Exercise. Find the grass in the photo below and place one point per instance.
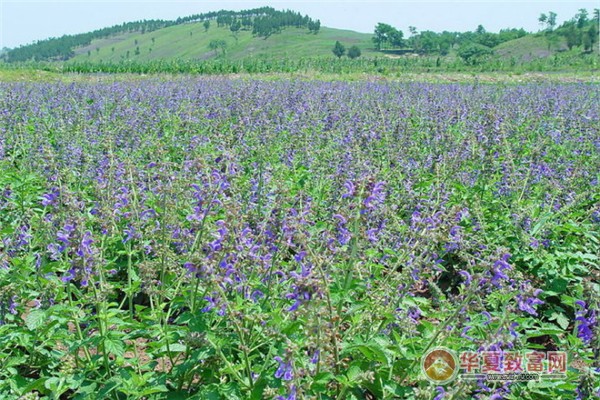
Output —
(34, 75)
(191, 41)
(535, 46)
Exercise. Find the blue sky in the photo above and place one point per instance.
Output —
(24, 21)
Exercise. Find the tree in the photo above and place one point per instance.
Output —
(548, 20)
(473, 53)
(543, 19)
(396, 38)
(572, 36)
(380, 33)
(206, 25)
(235, 28)
(590, 37)
(386, 36)
(216, 45)
(480, 30)
(339, 49)
(314, 26)
(246, 23)
(582, 18)
(551, 20)
(354, 52)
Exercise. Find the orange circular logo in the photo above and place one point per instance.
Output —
(440, 365)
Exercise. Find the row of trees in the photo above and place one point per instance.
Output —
(579, 31)
(386, 37)
(61, 48)
(473, 47)
(339, 50)
(263, 21)
(266, 26)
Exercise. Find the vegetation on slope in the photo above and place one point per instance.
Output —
(193, 42)
(263, 22)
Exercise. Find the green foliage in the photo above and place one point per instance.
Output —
(474, 53)
(386, 36)
(218, 44)
(338, 49)
(202, 217)
(265, 22)
(354, 52)
(314, 26)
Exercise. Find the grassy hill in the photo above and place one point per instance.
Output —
(191, 41)
(270, 36)
(528, 48)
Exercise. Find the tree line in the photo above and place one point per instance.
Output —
(263, 21)
(473, 46)
(579, 31)
(386, 37)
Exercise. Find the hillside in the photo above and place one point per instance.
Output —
(266, 34)
(528, 47)
(192, 41)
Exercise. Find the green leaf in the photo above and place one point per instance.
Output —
(173, 347)
(562, 321)
(37, 385)
(35, 319)
(559, 285)
(371, 351)
(153, 390)
(353, 373)
(321, 380)
(114, 346)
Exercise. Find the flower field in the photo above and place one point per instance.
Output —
(216, 238)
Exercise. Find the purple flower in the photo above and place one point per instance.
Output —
(350, 189)
(376, 197)
(86, 243)
(54, 249)
(130, 234)
(290, 396)
(69, 275)
(12, 308)
(587, 321)
(527, 303)
(511, 329)
(50, 197)
(463, 334)
(441, 393)
(488, 317)
(315, 356)
(285, 370)
(467, 277)
(498, 269)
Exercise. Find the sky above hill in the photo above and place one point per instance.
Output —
(24, 21)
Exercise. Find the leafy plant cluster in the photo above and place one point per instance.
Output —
(339, 50)
(237, 239)
(367, 65)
